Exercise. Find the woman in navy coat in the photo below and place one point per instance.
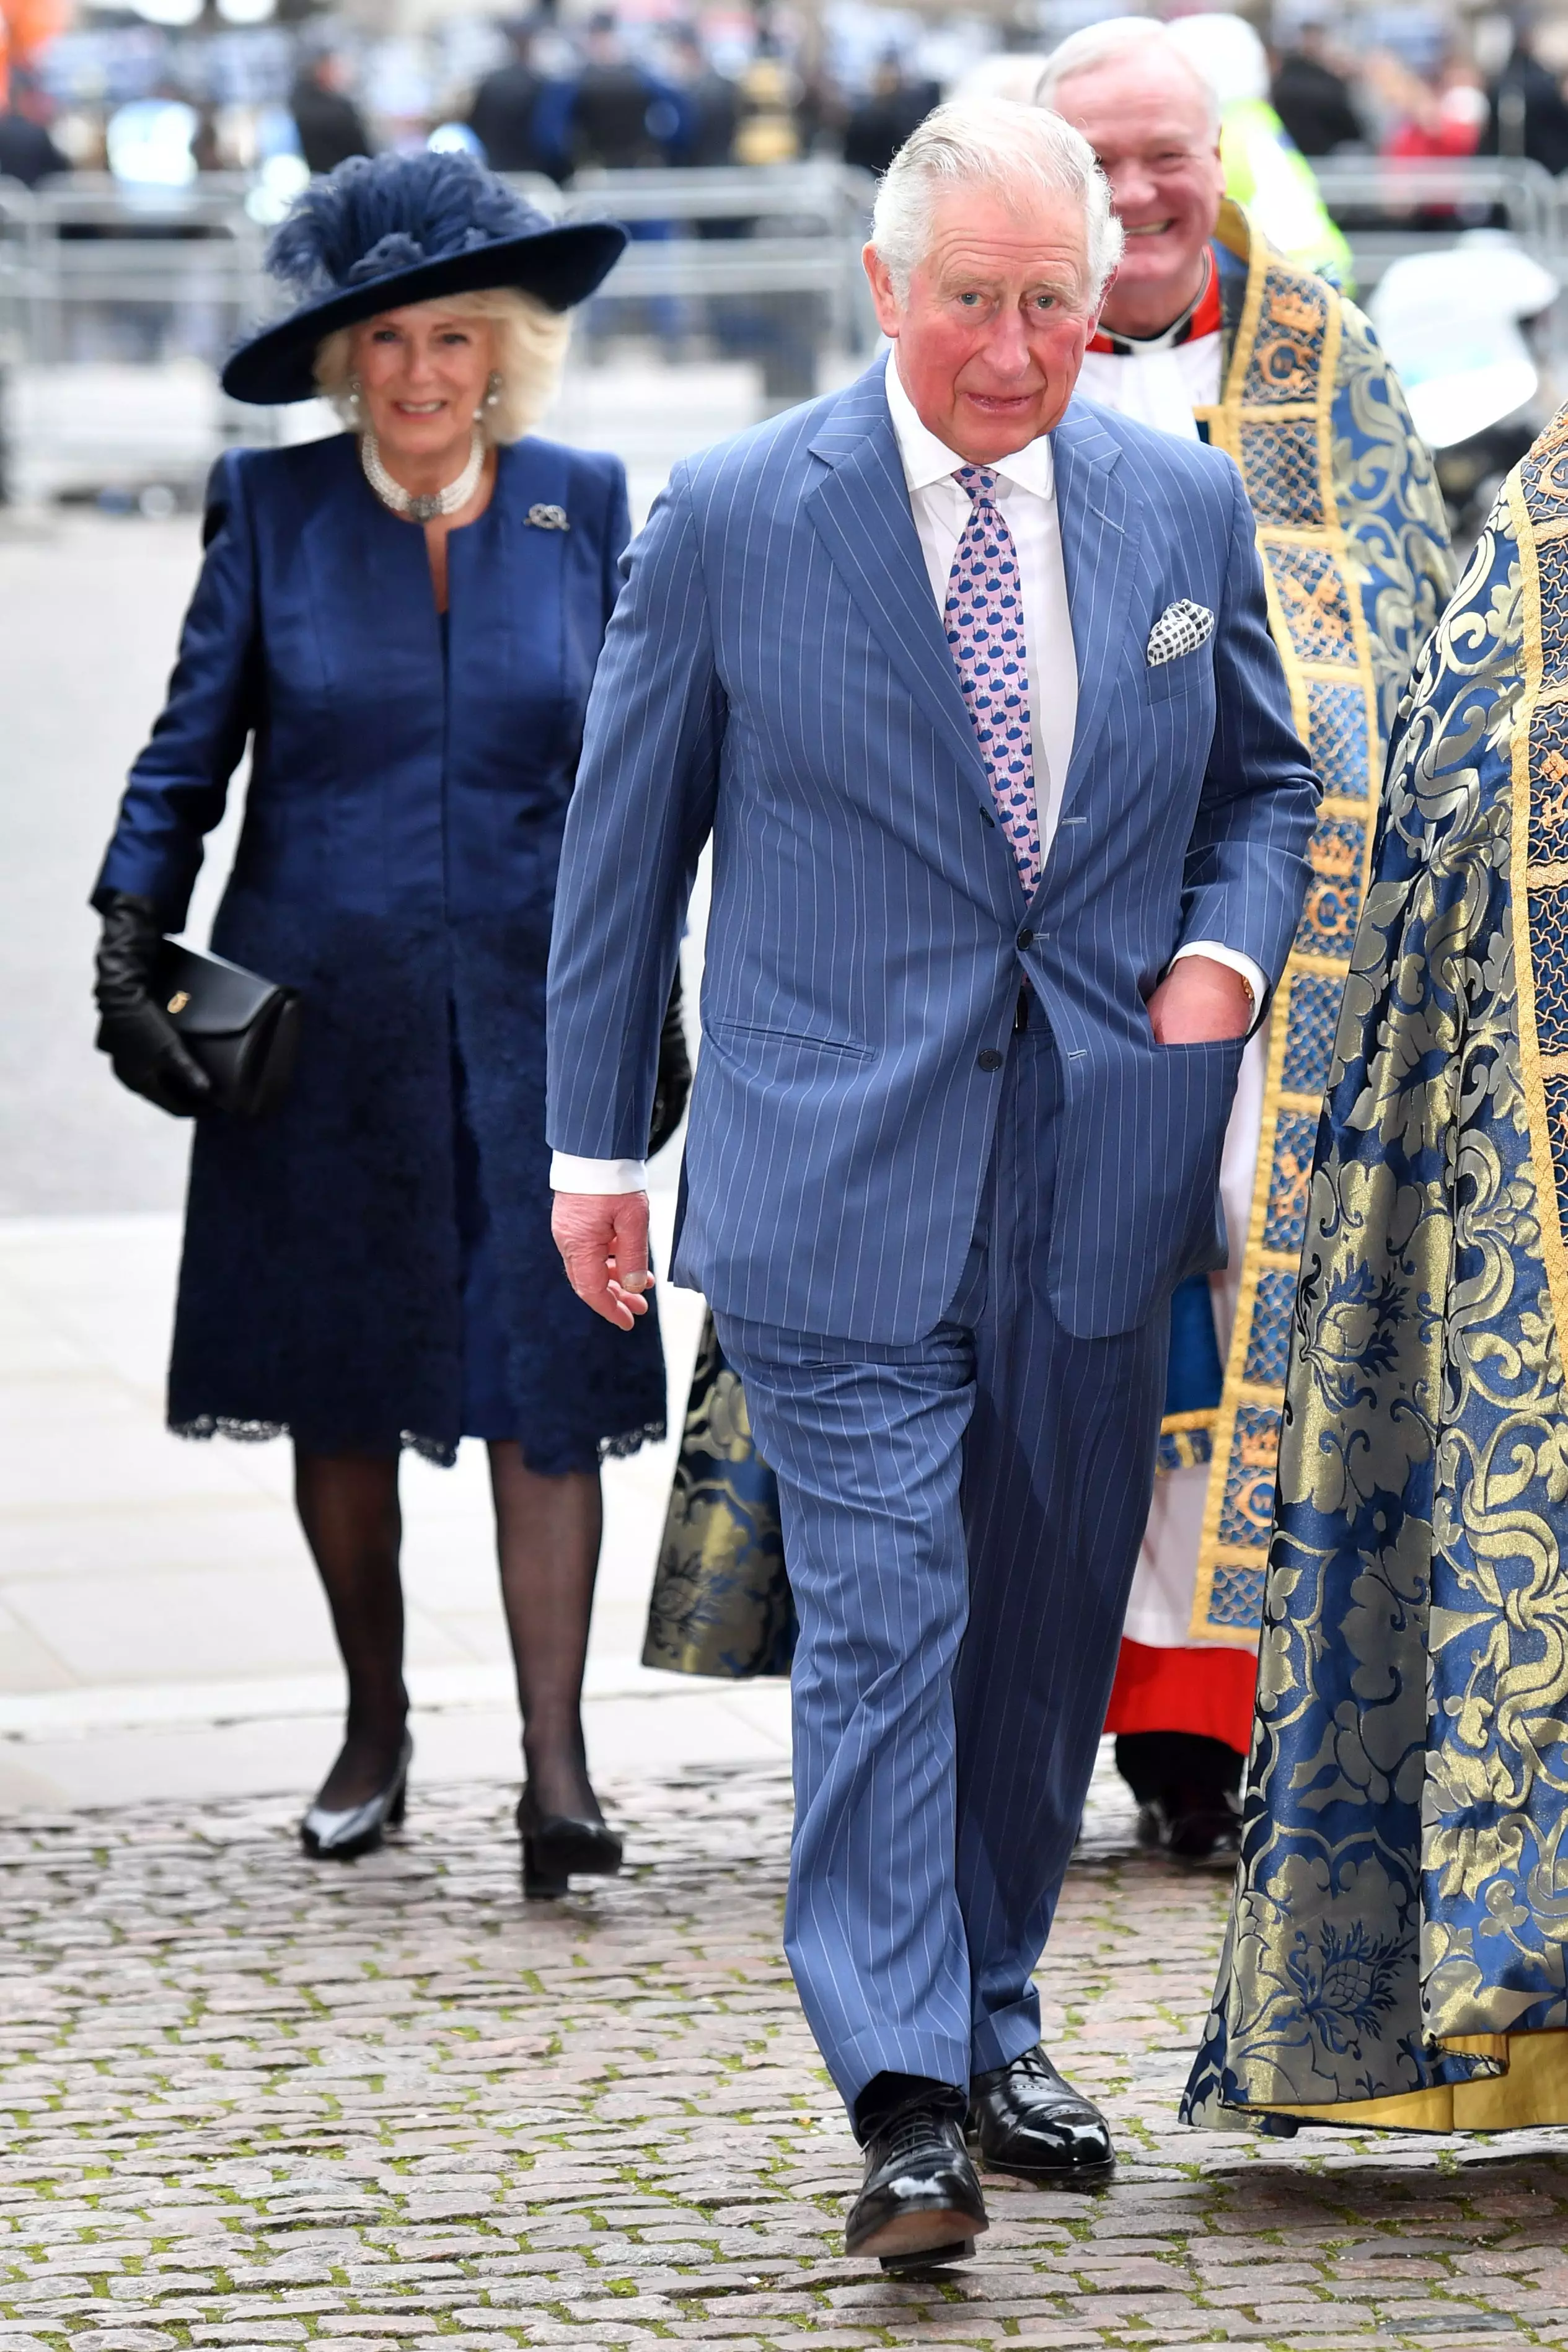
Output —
(402, 622)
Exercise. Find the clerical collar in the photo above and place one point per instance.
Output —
(1200, 317)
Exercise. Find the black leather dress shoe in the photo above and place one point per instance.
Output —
(556, 1844)
(1027, 2120)
(1193, 1825)
(1207, 1829)
(920, 2202)
(342, 1834)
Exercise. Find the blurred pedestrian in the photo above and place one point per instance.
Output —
(1312, 97)
(1430, 120)
(880, 125)
(404, 621)
(709, 101)
(26, 151)
(206, 147)
(506, 114)
(1203, 322)
(329, 125)
(1264, 169)
(622, 118)
(1526, 113)
(769, 130)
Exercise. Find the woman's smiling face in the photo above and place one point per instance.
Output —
(423, 373)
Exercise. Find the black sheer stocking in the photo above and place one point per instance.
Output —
(348, 1507)
(547, 1539)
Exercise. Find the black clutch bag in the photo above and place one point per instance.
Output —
(243, 1029)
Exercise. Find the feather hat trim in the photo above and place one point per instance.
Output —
(386, 230)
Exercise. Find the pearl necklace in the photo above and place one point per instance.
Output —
(421, 507)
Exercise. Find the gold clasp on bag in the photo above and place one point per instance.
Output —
(178, 1002)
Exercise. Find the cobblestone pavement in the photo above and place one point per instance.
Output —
(248, 2101)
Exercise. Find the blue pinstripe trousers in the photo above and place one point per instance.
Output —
(960, 1519)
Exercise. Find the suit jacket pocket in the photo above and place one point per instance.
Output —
(1136, 1202)
(1182, 675)
(763, 1034)
(1200, 1086)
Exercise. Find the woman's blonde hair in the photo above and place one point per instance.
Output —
(531, 342)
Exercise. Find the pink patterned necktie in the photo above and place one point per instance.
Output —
(984, 619)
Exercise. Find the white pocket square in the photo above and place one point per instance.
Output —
(1180, 628)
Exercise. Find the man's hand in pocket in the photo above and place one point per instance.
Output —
(1198, 1003)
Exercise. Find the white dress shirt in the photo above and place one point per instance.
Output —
(1026, 500)
(1159, 387)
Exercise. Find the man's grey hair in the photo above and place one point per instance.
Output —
(990, 144)
(1112, 43)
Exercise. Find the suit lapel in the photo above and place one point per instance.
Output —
(861, 511)
(1100, 556)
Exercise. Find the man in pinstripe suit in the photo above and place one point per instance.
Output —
(973, 687)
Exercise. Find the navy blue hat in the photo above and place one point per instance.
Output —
(384, 230)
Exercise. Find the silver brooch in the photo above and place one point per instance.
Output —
(547, 518)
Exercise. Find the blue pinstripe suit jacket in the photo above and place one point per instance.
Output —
(776, 673)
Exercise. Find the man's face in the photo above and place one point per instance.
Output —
(991, 334)
(1147, 119)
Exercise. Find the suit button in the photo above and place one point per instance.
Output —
(1026, 937)
(989, 1059)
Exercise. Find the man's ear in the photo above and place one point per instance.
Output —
(884, 299)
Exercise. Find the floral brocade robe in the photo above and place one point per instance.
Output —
(1397, 1948)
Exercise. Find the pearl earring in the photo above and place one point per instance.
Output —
(354, 391)
(492, 388)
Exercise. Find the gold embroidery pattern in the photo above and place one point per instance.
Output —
(1537, 498)
(1307, 399)
(1395, 1949)
(721, 1602)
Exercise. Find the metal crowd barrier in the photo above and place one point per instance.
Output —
(792, 229)
(763, 262)
(1390, 208)
(97, 276)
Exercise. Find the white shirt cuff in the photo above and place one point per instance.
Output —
(1235, 961)
(570, 1174)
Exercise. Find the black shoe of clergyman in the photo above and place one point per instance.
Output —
(920, 2202)
(1204, 1827)
(1027, 2120)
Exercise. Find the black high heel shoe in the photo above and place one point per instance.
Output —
(556, 1844)
(338, 1836)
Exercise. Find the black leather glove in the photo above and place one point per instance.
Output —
(673, 1085)
(133, 1029)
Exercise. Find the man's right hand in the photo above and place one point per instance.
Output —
(603, 1241)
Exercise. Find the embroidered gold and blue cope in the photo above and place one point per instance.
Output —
(1396, 1951)
(1354, 542)
(721, 1602)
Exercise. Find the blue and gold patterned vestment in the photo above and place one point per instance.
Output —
(721, 1602)
(1354, 542)
(1397, 1953)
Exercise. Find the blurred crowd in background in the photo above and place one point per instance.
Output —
(176, 87)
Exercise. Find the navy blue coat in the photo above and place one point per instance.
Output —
(397, 865)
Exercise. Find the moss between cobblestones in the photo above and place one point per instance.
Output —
(255, 2101)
